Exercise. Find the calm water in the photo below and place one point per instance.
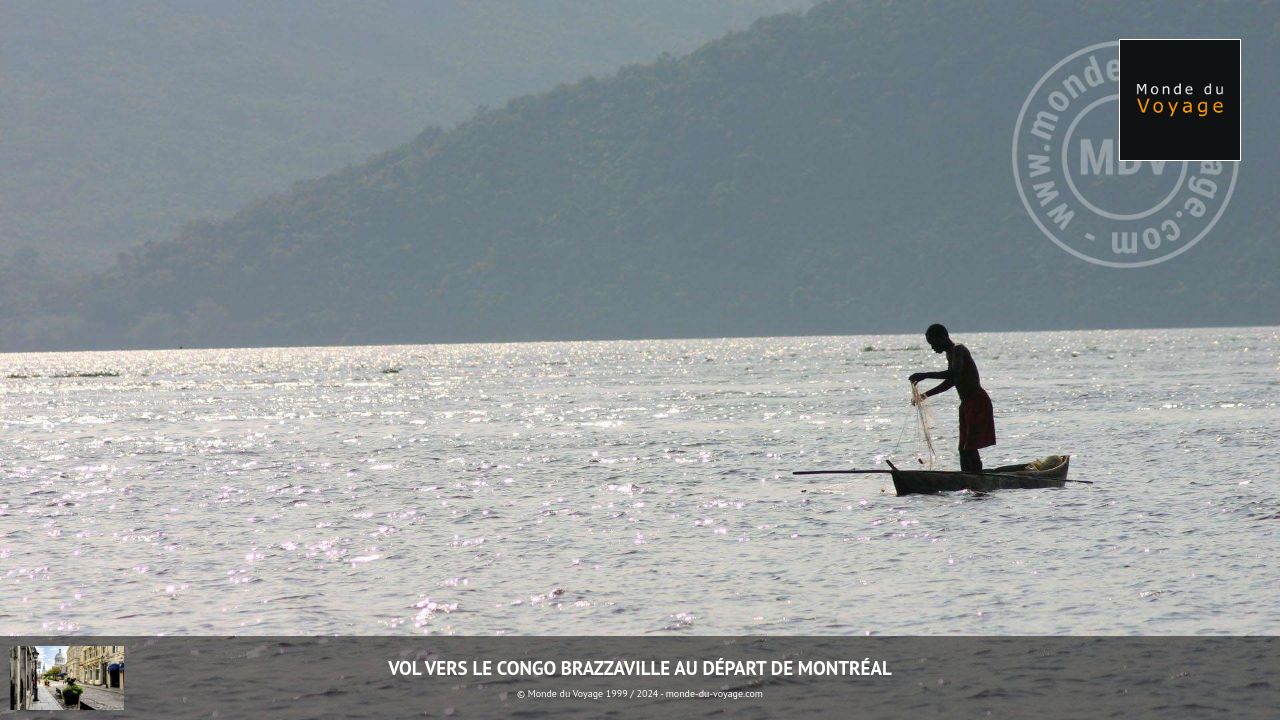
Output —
(635, 488)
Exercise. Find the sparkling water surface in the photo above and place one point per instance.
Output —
(637, 487)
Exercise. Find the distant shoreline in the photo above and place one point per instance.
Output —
(920, 332)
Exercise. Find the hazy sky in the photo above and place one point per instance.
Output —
(49, 652)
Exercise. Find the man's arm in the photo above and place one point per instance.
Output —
(942, 387)
(955, 363)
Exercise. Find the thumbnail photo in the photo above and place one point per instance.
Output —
(66, 677)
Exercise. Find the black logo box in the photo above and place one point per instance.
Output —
(1186, 67)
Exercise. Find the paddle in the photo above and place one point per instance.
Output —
(846, 472)
(838, 472)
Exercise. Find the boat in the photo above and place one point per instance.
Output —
(1047, 473)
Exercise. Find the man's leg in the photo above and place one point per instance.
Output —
(970, 461)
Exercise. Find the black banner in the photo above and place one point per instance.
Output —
(631, 677)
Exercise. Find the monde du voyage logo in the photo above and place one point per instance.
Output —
(1145, 209)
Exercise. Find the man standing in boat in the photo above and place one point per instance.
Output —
(977, 419)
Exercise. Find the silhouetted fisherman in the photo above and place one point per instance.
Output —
(977, 419)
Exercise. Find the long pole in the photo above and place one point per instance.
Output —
(839, 472)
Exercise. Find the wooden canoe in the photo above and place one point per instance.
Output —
(1007, 477)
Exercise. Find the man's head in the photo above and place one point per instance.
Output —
(938, 338)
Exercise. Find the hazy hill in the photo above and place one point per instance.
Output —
(843, 171)
(121, 121)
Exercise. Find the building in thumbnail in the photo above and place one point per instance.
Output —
(23, 662)
(73, 666)
(101, 665)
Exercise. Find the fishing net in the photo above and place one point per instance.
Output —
(925, 454)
